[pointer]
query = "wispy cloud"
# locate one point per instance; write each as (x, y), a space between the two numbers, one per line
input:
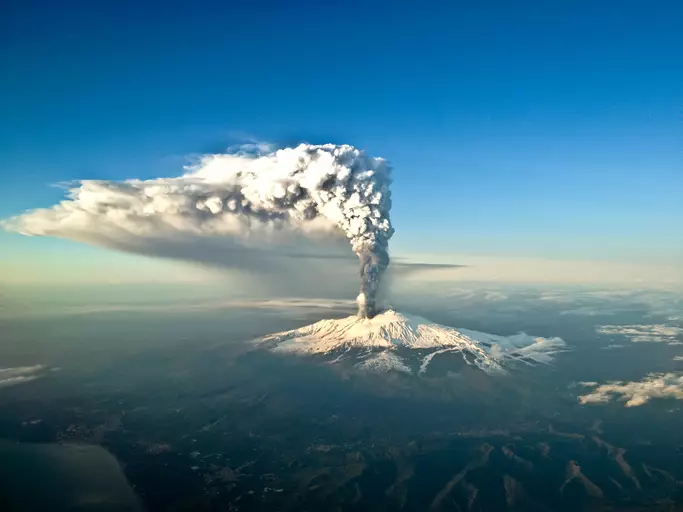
(538, 271)
(19, 375)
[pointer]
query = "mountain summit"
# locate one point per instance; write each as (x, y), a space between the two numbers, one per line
(380, 343)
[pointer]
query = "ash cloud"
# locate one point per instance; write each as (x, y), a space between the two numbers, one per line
(244, 210)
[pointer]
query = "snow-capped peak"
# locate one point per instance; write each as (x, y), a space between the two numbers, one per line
(392, 330)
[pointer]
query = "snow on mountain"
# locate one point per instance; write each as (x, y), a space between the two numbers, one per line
(378, 340)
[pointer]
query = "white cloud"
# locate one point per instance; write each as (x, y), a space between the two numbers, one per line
(635, 393)
(678, 358)
(655, 333)
(19, 375)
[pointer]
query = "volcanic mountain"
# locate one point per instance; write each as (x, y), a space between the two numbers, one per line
(387, 340)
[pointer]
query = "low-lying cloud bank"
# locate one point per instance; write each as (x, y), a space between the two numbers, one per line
(635, 393)
(283, 306)
(655, 333)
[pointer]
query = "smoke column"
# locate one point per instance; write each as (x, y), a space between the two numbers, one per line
(297, 190)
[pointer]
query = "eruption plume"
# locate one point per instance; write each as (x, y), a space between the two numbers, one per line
(293, 191)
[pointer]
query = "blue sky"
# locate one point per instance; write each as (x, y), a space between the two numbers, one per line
(548, 130)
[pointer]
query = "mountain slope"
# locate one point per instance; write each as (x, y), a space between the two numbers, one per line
(380, 339)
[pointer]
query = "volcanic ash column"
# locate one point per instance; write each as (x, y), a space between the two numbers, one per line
(234, 195)
(362, 191)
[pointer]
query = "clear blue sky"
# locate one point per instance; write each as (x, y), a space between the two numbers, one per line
(528, 128)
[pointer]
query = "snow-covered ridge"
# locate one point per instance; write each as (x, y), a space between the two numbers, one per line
(391, 330)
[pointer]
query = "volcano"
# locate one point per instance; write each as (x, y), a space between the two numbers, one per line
(389, 340)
